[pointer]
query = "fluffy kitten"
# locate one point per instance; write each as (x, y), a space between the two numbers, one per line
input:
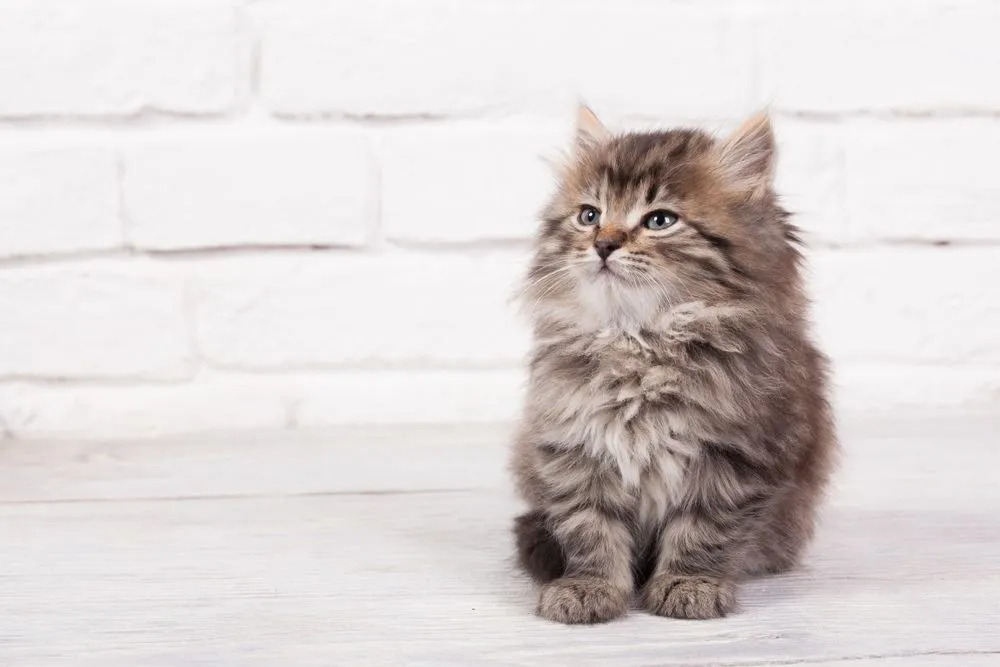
(676, 436)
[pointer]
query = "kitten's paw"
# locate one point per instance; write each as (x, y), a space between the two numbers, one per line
(581, 600)
(689, 597)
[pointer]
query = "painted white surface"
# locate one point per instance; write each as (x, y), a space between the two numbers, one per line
(58, 201)
(257, 214)
(304, 188)
(391, 546)
(108, 320)
(116, 58)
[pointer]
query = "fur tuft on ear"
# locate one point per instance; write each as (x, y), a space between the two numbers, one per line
(747, 155)
(590, 131)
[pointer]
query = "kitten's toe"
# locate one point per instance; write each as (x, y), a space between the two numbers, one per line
(689, 597)
(581, 600)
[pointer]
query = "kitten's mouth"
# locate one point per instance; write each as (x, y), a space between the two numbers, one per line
(605, 270)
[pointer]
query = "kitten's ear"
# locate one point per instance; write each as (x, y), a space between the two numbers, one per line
(590, 131)
(747, 155)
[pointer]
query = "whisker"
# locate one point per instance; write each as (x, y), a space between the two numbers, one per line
(541, 287)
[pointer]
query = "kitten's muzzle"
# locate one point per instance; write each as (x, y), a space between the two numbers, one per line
(605, 244)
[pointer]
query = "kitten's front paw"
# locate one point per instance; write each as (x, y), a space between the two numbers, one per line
(581, 600)
(689, 597)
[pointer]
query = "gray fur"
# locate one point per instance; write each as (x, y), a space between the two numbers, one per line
(676, 434)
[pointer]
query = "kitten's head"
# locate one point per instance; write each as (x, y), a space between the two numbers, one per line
(642, 221)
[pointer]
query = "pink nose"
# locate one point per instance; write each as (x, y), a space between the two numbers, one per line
(605, 247)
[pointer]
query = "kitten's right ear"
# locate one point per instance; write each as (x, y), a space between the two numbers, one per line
(590, 131)
(747, 155)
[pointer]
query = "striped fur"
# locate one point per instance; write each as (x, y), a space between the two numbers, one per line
(676, 435)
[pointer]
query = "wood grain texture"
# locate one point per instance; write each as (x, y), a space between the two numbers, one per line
(346, 460)
(259, 569)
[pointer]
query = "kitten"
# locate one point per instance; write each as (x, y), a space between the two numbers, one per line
(676, 436)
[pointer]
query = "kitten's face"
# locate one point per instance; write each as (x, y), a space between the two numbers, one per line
(642, 221)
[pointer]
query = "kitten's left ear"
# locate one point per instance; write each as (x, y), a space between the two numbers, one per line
(747, 155)
(590, 131)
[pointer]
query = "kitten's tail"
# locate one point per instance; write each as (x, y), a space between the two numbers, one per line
(538, 553)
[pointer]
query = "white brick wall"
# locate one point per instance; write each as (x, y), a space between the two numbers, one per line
(58, 200)
(249, 188)
(93, 321)
(243, 214)
(918, 56)
(114, 58)
(466, 182)
(921, 305)
(356, 310)
(945, 187)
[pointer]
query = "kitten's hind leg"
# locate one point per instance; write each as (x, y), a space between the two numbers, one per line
(786, 534)
(538, 552)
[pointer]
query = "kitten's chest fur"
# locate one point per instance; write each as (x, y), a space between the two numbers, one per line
(603, 397)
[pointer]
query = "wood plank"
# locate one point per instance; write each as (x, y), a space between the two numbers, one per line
(425, 579)
(961, 658)
(342, 460)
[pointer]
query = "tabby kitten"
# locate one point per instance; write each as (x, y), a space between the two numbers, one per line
(676, 436)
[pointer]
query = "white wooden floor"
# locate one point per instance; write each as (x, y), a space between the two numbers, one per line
(391, 546)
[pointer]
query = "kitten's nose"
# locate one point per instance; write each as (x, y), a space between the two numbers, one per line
(605, 245)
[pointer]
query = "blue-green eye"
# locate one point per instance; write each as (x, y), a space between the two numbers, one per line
(658, 220)
(588, 215)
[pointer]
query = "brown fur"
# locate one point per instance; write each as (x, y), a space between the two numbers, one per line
(676, 435)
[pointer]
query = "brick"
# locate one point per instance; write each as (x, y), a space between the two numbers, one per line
(660, 59)
(58, 200)
(468, 182)
(227, 402)
(908, 305)
(883, 389)
(411, 397)
(810, 179)
(354, 310)
(881, 56)
(141, 410)
(118, 58)
(925, 180)
(280, 188)
(102, 319)
(440, 57)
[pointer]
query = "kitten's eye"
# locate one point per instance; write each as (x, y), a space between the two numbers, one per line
(658, 220)
(588, 216)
